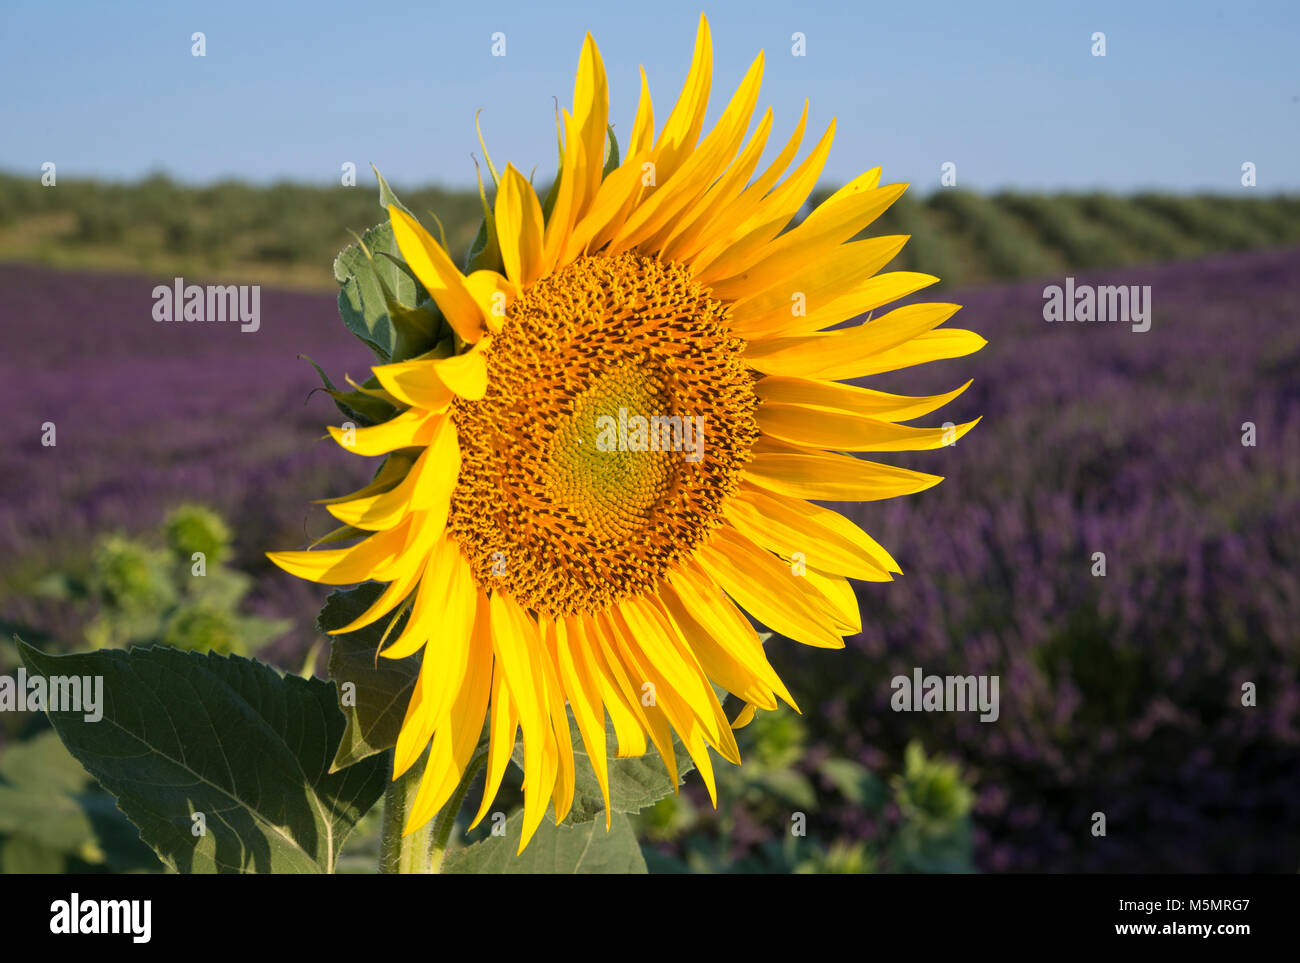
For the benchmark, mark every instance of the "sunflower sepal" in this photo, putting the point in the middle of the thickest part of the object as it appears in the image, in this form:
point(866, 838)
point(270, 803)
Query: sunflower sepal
point(387, 195)
point(612, 160)
point(552, 193)
point(344, 533)
point(416, 324)
point(382, 302)
point(415, 330)
point(414, 327)
point(484, 251)
point(356, 406)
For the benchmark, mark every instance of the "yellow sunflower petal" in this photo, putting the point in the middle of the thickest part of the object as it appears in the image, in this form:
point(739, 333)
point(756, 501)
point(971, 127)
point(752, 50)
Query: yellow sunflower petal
point(824, 522)
point(868, 402)
point(823, 312)
point(719, 664)
point(634, 689)
point(835, 355)
point(664, 712)
point(628, 729)
point(682, 129)
point(698, 750)
point(708, 206)
point(826, 476)
point(700, 170)
point(735, 213)
point(426, 488)
point(930, 346)
point(431, 383)
point(604, 213)
point(515, 642)
point(569, 201)
point(744, 717)
point(493, 293)
point(846, 268)
point(442, 600)
point(519, 228)
point(413, 737)
point(778, 527)
point(591, 111)
point(847, 432)
point(812, 241)
point(771, 213)
point(503, 726)
point(767, 589)
point(726, 626)
point(562, 795)
point(837, 591)
point(414, 383)
point(584, 697)
point(643, 124)
point(411, 428)
point(649, 635)
point(455, 736)
point(427, 529)
point(446, 651)
point(345, 566)
point(440, 277)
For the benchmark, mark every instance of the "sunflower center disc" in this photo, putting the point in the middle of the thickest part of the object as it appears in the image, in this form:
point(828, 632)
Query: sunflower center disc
point(617, 418)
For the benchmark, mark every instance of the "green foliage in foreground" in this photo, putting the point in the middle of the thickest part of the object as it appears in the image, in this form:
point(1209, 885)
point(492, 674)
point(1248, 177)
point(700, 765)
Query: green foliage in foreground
point(180, 595)
point(174, 589)
point(222, 764)
point(55, 819)
point(923, 813)
point(287, 233)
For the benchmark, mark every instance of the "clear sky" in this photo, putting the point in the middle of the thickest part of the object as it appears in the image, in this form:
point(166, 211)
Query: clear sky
point(1009, 92)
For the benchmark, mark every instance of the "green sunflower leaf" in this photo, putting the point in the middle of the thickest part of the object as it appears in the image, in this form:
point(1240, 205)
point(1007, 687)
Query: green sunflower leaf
point(373, 692)
point(584, 848)
point(184, 734)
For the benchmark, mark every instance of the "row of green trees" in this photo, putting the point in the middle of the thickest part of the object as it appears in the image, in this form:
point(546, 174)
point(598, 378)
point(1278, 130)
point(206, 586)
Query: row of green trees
point(960, 236)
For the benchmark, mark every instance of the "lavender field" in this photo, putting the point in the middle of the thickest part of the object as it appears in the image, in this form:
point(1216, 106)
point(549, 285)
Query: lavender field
point(1120, 694)
point(150, 415)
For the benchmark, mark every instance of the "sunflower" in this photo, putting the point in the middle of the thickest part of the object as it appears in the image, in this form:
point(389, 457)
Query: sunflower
point(621, 457)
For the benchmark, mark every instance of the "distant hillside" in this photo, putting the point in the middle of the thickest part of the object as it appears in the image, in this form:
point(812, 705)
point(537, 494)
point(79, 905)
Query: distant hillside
point(288, 234)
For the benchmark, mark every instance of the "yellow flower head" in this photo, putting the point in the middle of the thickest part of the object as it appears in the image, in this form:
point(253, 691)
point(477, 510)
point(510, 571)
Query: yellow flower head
point(578, 505)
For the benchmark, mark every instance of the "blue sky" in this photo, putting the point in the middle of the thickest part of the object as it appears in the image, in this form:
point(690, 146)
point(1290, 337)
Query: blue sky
point(1009, 92)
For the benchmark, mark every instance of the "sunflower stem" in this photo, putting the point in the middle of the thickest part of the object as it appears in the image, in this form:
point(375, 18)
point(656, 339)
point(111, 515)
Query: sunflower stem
point(398, 853)
point(446, 819)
